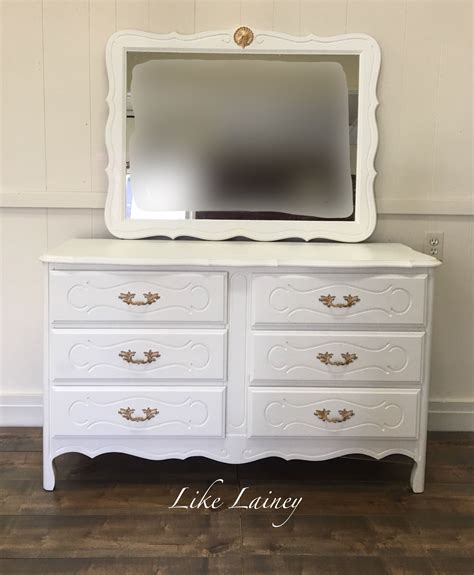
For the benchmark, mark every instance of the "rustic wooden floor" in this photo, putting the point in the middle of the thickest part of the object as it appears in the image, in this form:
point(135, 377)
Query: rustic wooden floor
point(358, 516)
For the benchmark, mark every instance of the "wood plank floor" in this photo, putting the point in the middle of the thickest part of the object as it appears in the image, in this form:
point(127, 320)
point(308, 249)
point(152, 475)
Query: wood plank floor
point(358, 516)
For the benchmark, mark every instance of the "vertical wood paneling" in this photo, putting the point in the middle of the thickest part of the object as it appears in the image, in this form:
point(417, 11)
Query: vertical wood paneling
point(413, 157)
point(452, 161)
point(424, 118)
point(65, 224)
point(24, 240)
point(286, 16)
point(453, 344)
point(4, 381)
point(67, 95)
point(424, 121)
point(22, 103)
point(102, 25)
point(133, 15)
point(453, 331)
point(408, 230)
point(172, 16)
point(217, 14)
point(257, 14)
point(323, 17)
point(99, 229)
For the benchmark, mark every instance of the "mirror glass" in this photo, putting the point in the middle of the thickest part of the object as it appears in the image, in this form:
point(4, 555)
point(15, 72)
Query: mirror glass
point(227, 136)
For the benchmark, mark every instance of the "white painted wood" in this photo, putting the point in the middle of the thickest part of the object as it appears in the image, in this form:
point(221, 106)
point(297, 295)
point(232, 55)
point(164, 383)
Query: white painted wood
point(241, 254)
point(62, 223)
point(381, 299)
point(22, 298)
point(272, 373)
point(21, 410)
point(101, 296)
point(66, 95)
point(95, 354)
point(101, 25)
point(48, 455)
point(293, 412)
point(389, 205)
point(286, 16)
point(57, 199)
point(417, 477)
point(387, 357)
point(212, 15)
point(451, 415)
point(453, 323)
point(432, 177)
point(27, 411)
point(265, 42)
point(22, 98)
point(132, 14)
point(233, 449)
point(238, 342)
point(325, 16)
point(418, 98)
point(169, 16)
point(181, 411)
point(386, 21)
point(257, 14)
point(99, 229)
point(451, 125)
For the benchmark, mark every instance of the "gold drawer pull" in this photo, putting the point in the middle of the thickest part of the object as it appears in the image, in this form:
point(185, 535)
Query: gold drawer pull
point(127, 413)
point(347, 358)
point(323, 415)
point(150, 298)
point(328, 300)
point(150, 356)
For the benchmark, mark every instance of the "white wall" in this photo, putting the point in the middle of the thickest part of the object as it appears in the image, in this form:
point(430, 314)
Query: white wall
point(53, 156)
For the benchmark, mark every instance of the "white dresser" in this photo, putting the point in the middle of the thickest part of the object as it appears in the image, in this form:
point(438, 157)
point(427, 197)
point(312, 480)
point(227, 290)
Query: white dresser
point(236, 351)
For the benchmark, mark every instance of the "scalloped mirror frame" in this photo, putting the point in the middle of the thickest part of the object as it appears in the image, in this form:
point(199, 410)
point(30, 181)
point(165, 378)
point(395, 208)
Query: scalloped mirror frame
point(231, 42)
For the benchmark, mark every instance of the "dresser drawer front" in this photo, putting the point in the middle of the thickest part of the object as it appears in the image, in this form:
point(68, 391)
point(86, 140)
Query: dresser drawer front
point(138, 411)
point(309, 412)
point(136, 355)
point(140, 297)
point(338, 299)
point(337, 357)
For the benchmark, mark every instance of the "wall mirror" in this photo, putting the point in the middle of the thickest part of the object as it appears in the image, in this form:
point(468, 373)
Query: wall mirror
point(241, 134)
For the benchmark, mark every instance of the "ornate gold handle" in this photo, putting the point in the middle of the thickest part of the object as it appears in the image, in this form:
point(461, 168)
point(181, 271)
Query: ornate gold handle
point(347, 358)
point(127, 413)
point(150, 298)
point(323, 415)
point(328, 300)
point(129, 357)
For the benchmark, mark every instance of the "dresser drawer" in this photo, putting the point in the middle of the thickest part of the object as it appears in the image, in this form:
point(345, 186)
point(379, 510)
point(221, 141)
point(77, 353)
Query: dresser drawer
point(137, 296)
point(138, 411)
point(337, 356)
point(338, 299)
point(302, 412)
point(135, 355)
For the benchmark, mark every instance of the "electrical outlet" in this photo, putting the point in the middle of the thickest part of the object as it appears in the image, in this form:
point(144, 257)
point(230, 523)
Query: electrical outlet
point(434, 244)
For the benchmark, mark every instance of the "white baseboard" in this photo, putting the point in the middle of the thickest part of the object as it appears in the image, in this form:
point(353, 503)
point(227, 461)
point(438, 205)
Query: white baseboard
point(27, 411)
point(21, 410)
point(451, 415)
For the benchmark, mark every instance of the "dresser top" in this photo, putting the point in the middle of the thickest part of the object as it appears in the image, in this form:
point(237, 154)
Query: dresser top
point(237, 254)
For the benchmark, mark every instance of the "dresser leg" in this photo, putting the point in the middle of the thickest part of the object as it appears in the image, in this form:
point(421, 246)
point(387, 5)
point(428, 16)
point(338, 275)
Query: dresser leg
point(417, 479)
point(48, 474)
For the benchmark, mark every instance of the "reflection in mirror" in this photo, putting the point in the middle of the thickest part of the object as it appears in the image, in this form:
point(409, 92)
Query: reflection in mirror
point(256, 137)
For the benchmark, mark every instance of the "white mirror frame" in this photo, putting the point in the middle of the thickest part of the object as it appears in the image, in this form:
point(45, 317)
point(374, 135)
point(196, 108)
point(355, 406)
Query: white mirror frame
point(225, 42)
